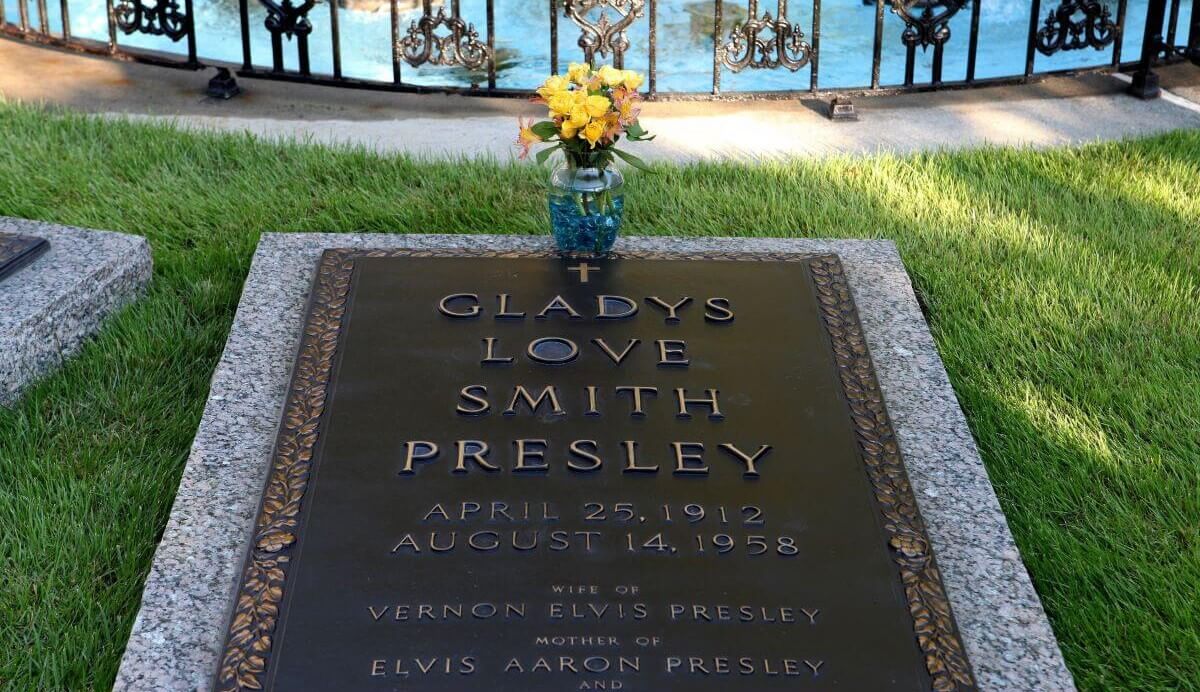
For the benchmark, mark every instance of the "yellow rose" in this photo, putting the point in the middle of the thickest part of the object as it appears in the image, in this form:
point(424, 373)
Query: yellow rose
point(597, 106)
point(579, 72)
point(611, 76)
point(553, 85)
point(561, 103)
point(594, 131)
point(579, 116)
point(632, 80)
point(567, 130)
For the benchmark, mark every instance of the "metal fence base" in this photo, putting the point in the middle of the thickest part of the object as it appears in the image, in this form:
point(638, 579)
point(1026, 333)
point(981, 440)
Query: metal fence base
point(223, 85)
point(842, 109)
point(1144, 85)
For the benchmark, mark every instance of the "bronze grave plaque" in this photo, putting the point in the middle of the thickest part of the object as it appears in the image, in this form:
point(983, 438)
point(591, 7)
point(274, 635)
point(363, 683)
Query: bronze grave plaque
point(18, 250)
point(638, 473)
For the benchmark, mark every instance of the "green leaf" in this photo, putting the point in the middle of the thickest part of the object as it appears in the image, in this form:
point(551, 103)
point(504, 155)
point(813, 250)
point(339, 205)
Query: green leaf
point(545, 153)
point(545, 129)
point(632, 160)
point(637, 133)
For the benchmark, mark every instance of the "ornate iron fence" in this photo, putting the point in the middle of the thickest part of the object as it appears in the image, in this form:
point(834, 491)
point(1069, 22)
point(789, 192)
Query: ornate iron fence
point(762, 37)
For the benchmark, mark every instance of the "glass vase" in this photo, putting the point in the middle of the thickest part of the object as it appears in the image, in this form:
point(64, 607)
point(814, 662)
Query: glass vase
point(586, 206)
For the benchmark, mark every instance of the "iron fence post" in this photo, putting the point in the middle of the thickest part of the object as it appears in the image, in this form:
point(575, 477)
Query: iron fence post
point(553, 36)
point(877, 50)
point(1145, 82)
point(491, 42)
point(1122, 6)
point(814, 76)
point(112, 26)
point(193, 61)
point(244, 18)
point(973, 43)
point(652, 71)
point(716, 73)
point(1193, 44)
point(1035, 14)
point(335, 39)
point(396, 76)
point(1172, 23)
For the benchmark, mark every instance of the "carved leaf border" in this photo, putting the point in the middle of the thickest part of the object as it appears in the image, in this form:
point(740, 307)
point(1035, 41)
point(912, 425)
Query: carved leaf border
point(249, 643)
point(933, 622)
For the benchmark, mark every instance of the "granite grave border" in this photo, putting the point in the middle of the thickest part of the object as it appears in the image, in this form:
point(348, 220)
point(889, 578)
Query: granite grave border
point(180, 630)
point(50, 306)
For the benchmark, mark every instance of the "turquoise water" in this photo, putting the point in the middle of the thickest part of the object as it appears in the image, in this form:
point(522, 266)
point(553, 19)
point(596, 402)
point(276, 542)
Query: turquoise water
point(684, 60)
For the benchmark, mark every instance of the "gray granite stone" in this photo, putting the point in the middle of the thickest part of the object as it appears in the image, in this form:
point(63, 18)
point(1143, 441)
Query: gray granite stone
point(52, 305)
point(186, 604)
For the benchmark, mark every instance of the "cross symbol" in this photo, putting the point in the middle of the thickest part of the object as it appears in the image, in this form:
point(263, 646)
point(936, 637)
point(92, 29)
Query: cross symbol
point(583, 270)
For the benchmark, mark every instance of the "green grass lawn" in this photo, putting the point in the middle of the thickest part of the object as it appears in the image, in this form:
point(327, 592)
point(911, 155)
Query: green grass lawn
point(1063, 288)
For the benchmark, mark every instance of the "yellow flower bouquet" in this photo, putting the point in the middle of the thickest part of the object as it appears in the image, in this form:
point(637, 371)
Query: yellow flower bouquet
point(590, 110)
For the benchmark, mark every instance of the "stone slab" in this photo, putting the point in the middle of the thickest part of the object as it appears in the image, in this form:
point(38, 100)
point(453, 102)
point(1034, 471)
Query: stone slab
point(49, 307)
point(181, 626)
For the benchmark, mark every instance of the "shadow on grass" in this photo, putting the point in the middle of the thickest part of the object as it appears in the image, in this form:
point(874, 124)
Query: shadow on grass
point(1110, 551)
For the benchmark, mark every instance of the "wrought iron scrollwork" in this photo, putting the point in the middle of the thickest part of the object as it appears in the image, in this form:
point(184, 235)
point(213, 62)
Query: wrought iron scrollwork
point(154, 17)
point(1077, 24)
point(291, 20)
point(460, 46)
point(286, 19)
point(603, 36)
point(926, 22)
point(783, 46)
